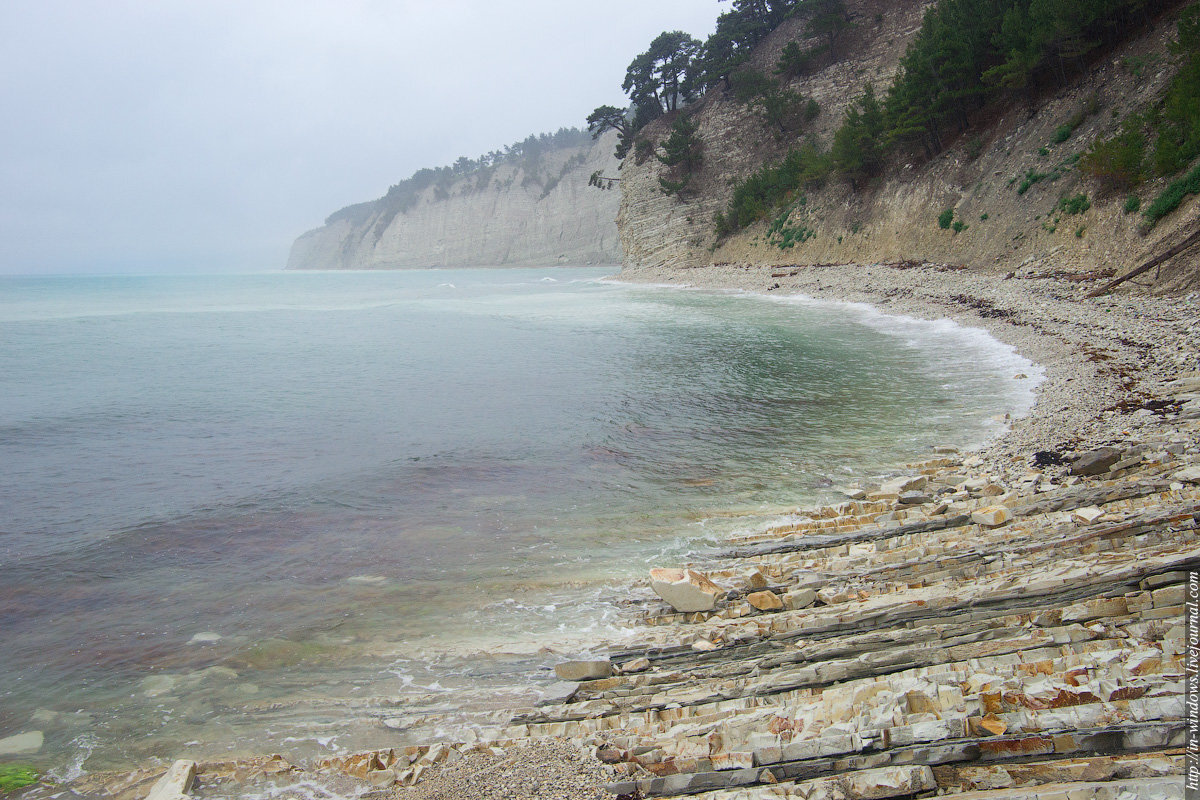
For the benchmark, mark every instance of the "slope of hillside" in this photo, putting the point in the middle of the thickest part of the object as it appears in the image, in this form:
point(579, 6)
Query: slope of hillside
point(979, 176)
point(526, 212)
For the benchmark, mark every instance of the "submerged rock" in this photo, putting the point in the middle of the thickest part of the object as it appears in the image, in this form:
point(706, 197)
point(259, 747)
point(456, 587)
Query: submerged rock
point(22, 744)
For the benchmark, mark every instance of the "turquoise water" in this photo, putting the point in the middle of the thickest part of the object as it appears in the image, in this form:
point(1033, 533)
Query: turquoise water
point(360, 481)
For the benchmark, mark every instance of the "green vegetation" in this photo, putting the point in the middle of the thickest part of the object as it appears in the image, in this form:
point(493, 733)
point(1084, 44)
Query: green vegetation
point(16, 776)
point(779, 108)
point(1179, 117)
point(1118, 163)
point(795, 60)
point(1133, 203)
point(945, 218)
point(968, 54)
point(1032, 176)
point(786, 236)
point(683, 152)
point(959, 226)
point(1173, 195)
point(1064, 131)
point(857, 152)
point(1123, 161)
point(1075, 205)
point(772, 187)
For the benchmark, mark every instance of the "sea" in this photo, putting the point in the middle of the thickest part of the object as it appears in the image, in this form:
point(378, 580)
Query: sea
point(309, 512)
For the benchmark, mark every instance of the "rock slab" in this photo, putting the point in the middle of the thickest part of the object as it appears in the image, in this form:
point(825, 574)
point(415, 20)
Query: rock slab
point(685, 589)
point(176, 783)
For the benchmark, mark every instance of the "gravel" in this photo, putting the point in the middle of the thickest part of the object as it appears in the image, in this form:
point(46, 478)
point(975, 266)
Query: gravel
point(548, 769)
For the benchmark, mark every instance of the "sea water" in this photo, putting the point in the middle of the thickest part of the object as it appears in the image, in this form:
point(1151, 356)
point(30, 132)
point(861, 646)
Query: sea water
point(289, 511)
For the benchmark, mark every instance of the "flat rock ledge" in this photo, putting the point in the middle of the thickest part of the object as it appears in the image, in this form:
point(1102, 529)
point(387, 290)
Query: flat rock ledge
point(1007, 626)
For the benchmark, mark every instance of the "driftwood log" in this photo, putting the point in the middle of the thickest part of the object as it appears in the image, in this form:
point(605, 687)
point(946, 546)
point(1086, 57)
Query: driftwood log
point(1149, 265)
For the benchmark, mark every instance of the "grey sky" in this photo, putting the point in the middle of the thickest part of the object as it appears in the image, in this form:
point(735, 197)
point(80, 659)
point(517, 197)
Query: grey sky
point(207, 135)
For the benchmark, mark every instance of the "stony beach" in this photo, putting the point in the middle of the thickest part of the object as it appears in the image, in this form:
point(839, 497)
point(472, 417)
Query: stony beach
point(1000, 624)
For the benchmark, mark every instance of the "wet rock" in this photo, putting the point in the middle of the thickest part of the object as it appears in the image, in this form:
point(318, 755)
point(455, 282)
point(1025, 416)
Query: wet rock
point(205, 637)
point(157, 685)
point(903, 484)
point(685, 589)
point(22, 744)
point(176, 783)
point(583, 670)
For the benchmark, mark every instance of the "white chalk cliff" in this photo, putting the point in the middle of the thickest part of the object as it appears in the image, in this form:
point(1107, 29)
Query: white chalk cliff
point(521, 212)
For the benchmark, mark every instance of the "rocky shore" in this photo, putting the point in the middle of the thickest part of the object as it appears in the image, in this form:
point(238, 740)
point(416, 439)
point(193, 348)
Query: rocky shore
point(1001, 624)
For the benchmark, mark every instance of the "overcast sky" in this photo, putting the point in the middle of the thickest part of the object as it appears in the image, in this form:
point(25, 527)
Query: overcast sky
point(162, 135)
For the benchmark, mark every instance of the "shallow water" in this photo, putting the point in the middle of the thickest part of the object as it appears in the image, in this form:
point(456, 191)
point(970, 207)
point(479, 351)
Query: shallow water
point(357, 481)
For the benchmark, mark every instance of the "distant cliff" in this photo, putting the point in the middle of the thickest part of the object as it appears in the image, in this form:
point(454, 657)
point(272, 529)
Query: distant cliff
point(531, 206)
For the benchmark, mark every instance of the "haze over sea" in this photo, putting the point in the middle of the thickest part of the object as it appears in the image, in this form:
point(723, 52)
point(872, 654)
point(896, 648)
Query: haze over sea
point(362, 482)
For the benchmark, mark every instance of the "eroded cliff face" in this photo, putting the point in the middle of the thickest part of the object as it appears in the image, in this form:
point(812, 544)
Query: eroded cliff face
point(896, 217)
point(520, 214)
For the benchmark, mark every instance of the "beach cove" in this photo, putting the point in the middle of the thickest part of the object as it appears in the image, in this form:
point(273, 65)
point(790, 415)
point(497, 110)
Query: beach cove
point(1029, 632)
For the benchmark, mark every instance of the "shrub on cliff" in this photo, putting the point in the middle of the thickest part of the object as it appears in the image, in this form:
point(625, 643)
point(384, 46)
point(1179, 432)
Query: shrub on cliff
point(683, 152)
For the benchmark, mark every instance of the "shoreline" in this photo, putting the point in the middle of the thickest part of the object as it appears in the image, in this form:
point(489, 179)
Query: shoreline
point(1096, 354)
point(1075, 347)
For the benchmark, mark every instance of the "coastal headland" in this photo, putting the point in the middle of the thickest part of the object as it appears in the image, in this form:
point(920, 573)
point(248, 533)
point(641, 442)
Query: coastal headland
point(990, 624)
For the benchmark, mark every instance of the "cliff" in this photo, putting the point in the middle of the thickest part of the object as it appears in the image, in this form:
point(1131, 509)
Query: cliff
point(532, 211)
point(895, 216)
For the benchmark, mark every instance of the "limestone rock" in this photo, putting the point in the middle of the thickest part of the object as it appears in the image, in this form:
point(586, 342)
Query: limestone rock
point(1087, 515)
point(991, 517)
point(583, 670)
point(1096, 462)
point(685, 589)
point(155, 685)
point(381, 778)
point(914, 498)
point(1188, 475)
point(903, 484)
point(22, 744)
point(765, 601)
point(799, 598)
point(873, 784)
point(636, 665)
point(758, 580)
point(176, 783)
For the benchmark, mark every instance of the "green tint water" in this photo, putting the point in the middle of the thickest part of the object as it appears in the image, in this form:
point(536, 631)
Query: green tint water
point(361, 481)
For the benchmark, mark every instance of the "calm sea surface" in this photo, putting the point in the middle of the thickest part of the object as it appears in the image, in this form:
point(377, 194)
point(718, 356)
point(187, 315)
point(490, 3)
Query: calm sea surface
point(277, 511)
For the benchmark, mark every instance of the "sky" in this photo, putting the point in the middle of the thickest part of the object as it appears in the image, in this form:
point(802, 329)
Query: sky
point(205, 136)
